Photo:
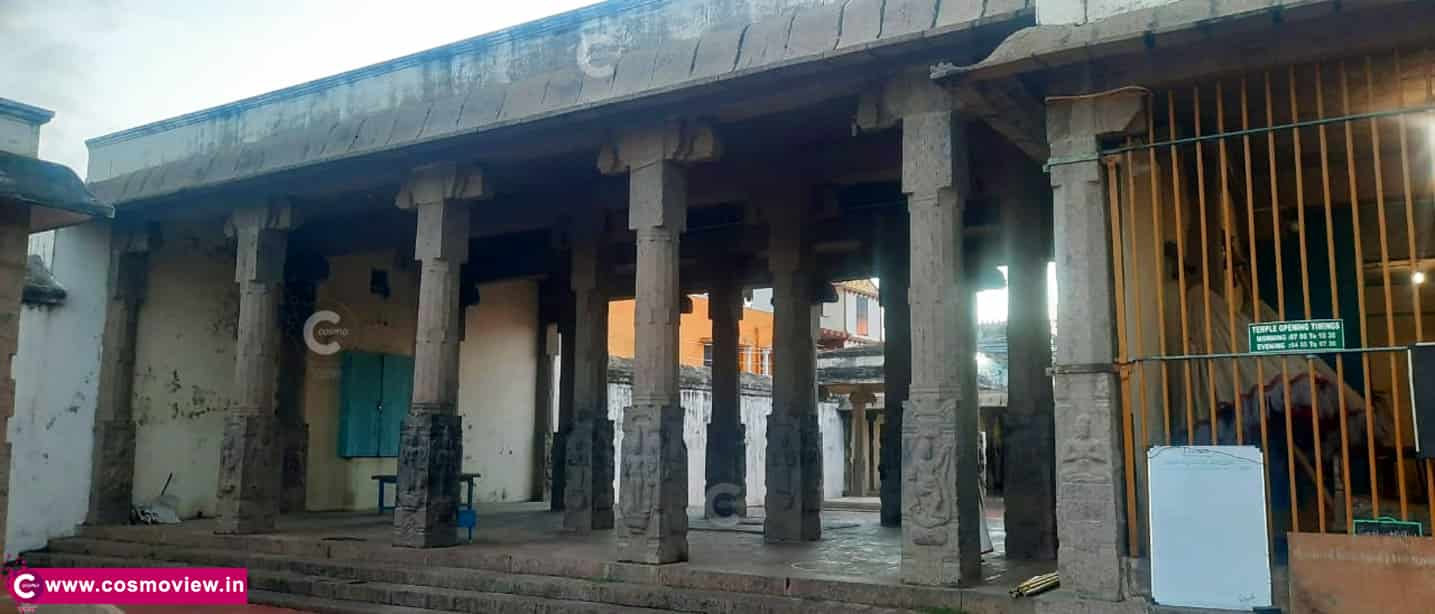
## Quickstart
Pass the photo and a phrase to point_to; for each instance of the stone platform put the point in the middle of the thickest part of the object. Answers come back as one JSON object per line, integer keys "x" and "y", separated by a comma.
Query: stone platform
{"x": 520, "y": 560}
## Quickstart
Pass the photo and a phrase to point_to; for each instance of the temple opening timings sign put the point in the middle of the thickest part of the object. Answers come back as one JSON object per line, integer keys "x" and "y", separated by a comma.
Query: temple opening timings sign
{"x": 1297, "y": 336}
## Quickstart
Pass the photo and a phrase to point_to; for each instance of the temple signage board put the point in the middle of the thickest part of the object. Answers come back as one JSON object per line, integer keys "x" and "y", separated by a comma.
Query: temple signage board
{"x": 1297, "y": 336}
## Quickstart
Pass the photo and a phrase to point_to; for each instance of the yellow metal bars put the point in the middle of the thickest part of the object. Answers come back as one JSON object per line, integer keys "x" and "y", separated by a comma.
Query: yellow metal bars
{"x": 1118, "y": 265}
{"x": 1312, "y": 382}
{"x": 1181, "y": 271}
{"x": 1371, "y": 443}
{"x": 1229, "y": 252}
{"x": 1281, "y": 302}
{"x": 1259, "y": 398}
{"x": 1158, "y": 259}
{"x": 1389, "y": 300}
{"x": 1205, "y": 262}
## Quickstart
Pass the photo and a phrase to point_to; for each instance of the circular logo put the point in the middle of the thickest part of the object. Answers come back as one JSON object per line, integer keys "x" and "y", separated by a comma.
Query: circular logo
{"x": 722, "y": 505}
{"x": 26, "y": 586}
{"x": 322, "y": 332}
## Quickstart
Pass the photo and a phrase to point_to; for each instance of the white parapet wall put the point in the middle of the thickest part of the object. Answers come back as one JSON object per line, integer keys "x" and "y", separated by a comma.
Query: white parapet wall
{"x": 1071, "y": 12}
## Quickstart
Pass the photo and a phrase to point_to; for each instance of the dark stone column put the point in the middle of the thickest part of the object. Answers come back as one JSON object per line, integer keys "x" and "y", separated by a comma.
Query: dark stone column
{"x": 567, "y": 366}
{"x": 588, "y": 482}
{"x": 250, "y": 464}
{"x": 726, "y": 435}
{"x": 1029, "y": 465}
{"x": 794, "y": 440}
{"x": 113, "y": 465}
{"x": 896, "y": 361}
{"x": 431, "y": 438}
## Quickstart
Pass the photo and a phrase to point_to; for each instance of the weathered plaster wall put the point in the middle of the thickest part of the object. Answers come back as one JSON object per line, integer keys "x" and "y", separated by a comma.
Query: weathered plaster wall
{"x": 697, "y": 408}
{"x": 56, "y": 381}
{"x": 184, "y": 364}
{"x": 497, "y": 375}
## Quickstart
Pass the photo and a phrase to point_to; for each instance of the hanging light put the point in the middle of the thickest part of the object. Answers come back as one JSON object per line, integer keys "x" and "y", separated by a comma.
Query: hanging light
{"x": 1417, "y": 277}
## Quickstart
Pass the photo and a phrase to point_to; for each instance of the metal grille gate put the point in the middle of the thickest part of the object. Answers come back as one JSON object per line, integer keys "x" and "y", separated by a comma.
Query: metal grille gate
{"x": 1300, "y": 193}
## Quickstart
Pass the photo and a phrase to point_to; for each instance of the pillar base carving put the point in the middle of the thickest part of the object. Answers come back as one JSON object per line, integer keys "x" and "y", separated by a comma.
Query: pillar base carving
{"x": 113, "y": 474}
{"x": 937, "y": 549}
{"x": 655, "y": 482}
{"x": 793, "y": 512}
{"x": 588, "y": 495}
{"x": 295, "y": 456}
{"x": 430, "y": 459}
{"x": 248, "y": 482}
{"x": 727, "y": 462}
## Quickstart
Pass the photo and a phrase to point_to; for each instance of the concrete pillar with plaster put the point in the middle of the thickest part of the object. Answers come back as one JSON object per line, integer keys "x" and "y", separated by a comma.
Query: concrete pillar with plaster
{"x": 430, "y": 438}
{"x": 892, "y": 267}
{"x": 726, "y": 436}
{"x": 1029, "y": 464}
{"x": 1089, "y": 516}
{"x": 794, "y": 441}
{"x": 858, "y": 485}
{"x": 655, "y": 459}
{"x": 113, "y": 465}
{"x": 250, "y": 464}
{"x": 588, "y": 463}
{"x": 941, "y": 518}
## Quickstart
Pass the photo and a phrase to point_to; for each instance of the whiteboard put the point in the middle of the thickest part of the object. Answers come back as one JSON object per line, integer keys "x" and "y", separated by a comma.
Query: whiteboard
{"x": 1209, "y": 544}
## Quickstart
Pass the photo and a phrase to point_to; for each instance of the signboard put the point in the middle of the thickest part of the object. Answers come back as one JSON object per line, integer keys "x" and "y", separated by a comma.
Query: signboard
{"x": 1297, "y": 336}
{"x": 1386, "y": 525}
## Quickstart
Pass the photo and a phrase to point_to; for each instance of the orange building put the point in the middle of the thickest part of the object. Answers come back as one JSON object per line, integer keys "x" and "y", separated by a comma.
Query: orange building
{"x": 695, "y": 333}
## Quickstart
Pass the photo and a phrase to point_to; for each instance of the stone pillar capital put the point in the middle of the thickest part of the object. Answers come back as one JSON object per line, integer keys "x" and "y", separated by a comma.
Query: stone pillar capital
{"x": 275, "y": 214}
{"x": 443, "y": 229}
{"x": 684, "y": 141}
{"x": 1074, "y": 124}
{"x": 908, "y": 94}
{"x": 435, "y": 184}
{"x": 658, "y": 198}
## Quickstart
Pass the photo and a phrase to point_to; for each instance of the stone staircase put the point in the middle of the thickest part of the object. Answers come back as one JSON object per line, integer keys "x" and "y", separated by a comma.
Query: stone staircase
{"x": 321, "y": 576}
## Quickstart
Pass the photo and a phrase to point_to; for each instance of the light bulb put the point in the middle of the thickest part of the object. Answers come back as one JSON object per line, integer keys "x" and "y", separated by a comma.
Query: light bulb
{"x": 1417, "y": 277}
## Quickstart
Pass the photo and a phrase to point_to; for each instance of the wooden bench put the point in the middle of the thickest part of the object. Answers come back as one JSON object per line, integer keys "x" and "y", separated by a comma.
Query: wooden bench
{"x": 384, "y": 479}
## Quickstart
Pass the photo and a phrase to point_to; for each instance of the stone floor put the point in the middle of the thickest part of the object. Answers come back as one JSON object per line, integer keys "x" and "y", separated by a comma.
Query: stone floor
{"x": 854, "y": 547}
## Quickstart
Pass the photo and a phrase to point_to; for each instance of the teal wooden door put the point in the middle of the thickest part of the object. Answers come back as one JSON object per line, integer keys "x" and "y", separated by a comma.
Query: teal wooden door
{"x": 398, "y": 386}
{"x": 360, "y": 392}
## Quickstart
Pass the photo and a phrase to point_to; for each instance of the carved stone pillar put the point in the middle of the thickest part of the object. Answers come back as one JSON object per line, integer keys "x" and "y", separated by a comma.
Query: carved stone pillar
{"x": 113, "y": 464}
{"x": 726, "y": 436}
{"x": 1029, "y": 464}
{"x": 250, "y": 464}
{"x": 794, "y": 441}
{"x": 431, "y": 437}
{"x": 1090, "y": 520}
{"x": 14, "y": 236}
{"x": 896, "y": 360}
{"x": 941, "y": 518}
{"x": 567, "y": 366}
{"x": 588, "y": 480}
{"x": 861, "y": 444}
{"x": 655, "y": 459}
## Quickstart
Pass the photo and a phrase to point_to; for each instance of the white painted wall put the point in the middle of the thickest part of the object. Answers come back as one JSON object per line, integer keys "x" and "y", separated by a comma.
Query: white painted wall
{"x": 498, "y": 371}
{"x": 697, "y": 406}
{"x": 56, "y": 380}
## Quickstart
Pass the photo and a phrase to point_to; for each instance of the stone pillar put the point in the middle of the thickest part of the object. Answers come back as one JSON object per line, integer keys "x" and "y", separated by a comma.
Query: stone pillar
{"x": 588, "y": 479}
{"x": 567, "y": 365}
{"x": 861, "y": 443}
{"x": 113, "y": 464}
{"x": 1029, "y": 464}
{"x": 794, "y": 477}
{"x": 431, "y": 437}
{"x": 941, "y": 520}
{"x": 726, "y": 435}
{"x": 14, "y": 238}
{"x": 543, "y": 403}
{"x": 250, "y": 464}
{"x": 655, "y": 459}
{"x": 896, "y": 360}
{"x": 1090, "y": 520}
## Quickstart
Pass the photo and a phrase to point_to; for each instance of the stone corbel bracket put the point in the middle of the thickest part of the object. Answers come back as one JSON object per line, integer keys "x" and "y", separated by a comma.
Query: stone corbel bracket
{"x": 685, "y": 141}
{"x": 443, "y": 182}
{"x": 260, "y": 231}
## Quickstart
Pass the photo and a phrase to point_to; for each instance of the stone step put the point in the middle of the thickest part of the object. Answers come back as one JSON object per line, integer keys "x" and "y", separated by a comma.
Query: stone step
{"x": 606, "y": 591}
{"x": 363, "y": 593}
{"x": 807, "y": 589}
{"x": 305, "y": 603}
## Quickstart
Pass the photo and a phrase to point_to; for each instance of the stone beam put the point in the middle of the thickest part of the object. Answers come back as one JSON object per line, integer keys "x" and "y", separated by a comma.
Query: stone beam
{"x": 249, "y": 468}
{"x": 1090, "y": 519}
{"x": 655, "y": 460}
{"x": 112, "y": 484}
{"x": 1011, "y": 110}
{"x": 430, "y": 439}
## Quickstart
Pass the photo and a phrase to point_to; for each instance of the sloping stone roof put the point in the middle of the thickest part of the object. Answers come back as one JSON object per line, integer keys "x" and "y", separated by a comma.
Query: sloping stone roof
{"x": 34, "y": 182}
{"x": 816, "y": 31}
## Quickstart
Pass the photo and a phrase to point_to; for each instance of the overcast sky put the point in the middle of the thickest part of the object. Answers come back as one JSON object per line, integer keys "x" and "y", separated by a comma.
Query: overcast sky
{"x": 107, "y": 65}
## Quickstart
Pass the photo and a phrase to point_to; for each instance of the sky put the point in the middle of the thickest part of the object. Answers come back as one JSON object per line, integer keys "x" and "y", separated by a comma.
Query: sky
{"x": 107, "y": 65}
